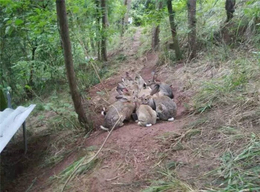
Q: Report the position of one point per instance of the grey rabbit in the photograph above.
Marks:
(165, 107)
(119, 111)
(163, 88)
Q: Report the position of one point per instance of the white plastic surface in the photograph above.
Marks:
(10, 121)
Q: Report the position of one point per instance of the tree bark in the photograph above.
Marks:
(98, 28)
(103, 34)
(128, 6)
(30, 83)
(173, 30)
(63, 22)
(230, 9)
(156, 31)
(192, 28)
(124, 20)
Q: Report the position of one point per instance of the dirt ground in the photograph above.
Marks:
(130, 154)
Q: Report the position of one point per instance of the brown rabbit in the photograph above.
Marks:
(126, 84)
(165, 107)
(140, 81)
(146, 115)
(146, 90)
(119, 111)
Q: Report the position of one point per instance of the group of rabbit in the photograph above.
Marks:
(141, 101)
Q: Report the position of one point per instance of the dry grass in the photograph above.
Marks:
(219, 149)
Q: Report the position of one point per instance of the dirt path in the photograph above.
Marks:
(131, 150)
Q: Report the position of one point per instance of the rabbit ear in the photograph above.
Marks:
(161, 108)
(119, 88)
(152, 104)
(128, 76)
(120, 85)
(155, 89)
(119, 97)
(123, 97)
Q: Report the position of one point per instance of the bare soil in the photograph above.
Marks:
(130, 155)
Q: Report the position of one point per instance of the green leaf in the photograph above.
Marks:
(6, 19)
(7, 30)
(18, 21)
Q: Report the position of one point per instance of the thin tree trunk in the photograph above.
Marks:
(62, 18)
(30, 82)
(128, 6)
(92, 45)
(98, 28)
(173, 30)
(192, 28)
(155, 38)
(123, 24)
(103, 34)
(156, 31)
(230, 9)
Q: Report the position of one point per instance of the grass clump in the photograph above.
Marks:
(81, 170)
(231, 84)
(168, 181)
(240, 169)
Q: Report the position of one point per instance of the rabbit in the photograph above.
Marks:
(163, 88)
(121, 89)
(140, 81)
(165, 107)
(119, 111)
(146, 115)
(145, 90)
(128, 76)
(157, 86)
(126, 85)
(136, 85)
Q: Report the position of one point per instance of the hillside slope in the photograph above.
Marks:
(213, 144)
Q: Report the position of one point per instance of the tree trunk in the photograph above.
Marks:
(230, 8)
(98, 28)
(92, 45)
(192, 28)
(63, 22)
(29, 86)
(103, 34)
(173, 30)
(156, 31)
(123, 24)
(155, 38)
(124, 20)
(128, 7)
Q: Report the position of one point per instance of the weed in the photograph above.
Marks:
(196, 123)
(229, 86)
(168, 181)
(82, 170)
(240, 170)
(121, 57)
